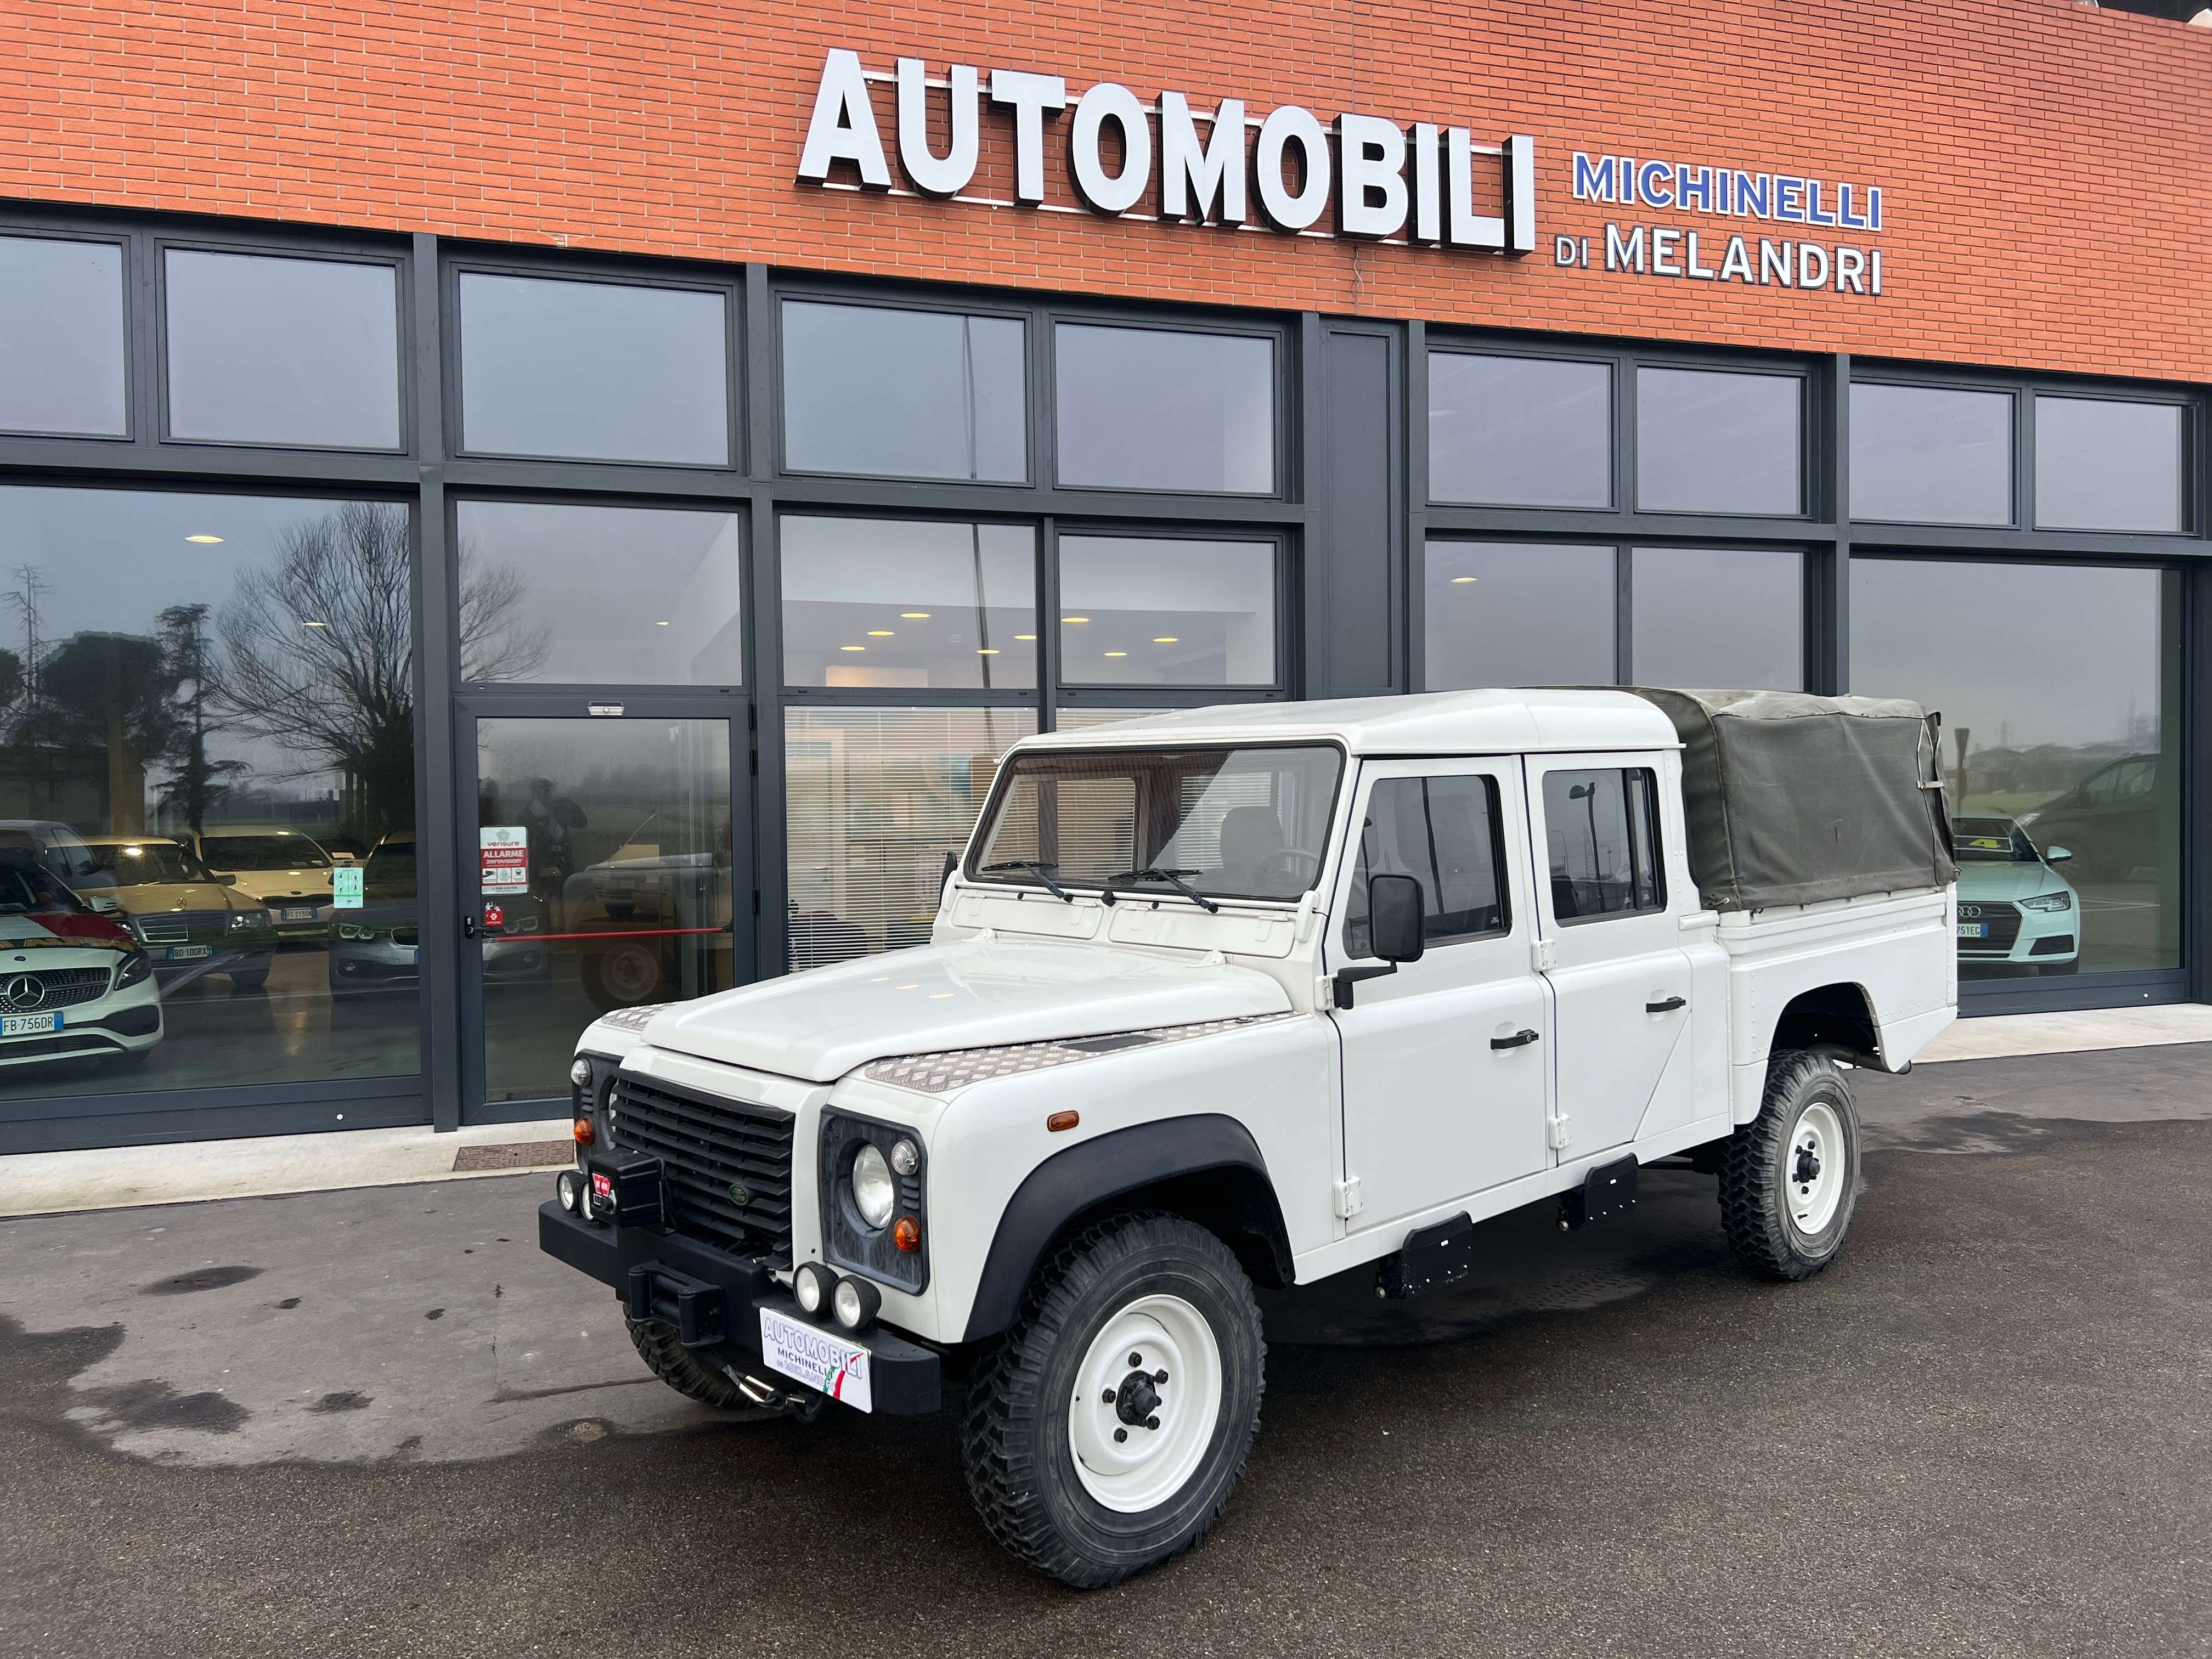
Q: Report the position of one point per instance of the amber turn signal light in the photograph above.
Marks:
(908, 1234)
(1060, 1120)
(583, 1131)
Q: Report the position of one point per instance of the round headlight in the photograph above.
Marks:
(906, 1157)
(875, 1194)
(571, 1188)
(855, 1303)
(579, 1072)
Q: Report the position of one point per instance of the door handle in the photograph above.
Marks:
(1520, 1039)
(468, 926)
(1665, 1005)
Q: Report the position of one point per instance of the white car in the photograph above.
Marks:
(1257, 995)
(2016, 913)
(73, 985)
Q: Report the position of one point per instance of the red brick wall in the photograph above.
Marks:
(2047, 191)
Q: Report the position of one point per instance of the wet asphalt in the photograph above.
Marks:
(380, 1424)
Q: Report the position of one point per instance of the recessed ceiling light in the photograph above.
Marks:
(1117, 653)
(987, 651)
(1075, 619)
(914, 616)
(1457, 580)
(316, 624)
(1167, 639)
(660, 624)
(851, 647)
(206, 541)
(879, 633)
(1024, 636)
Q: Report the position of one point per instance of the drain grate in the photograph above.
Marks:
(515, 1155)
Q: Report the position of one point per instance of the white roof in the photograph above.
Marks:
(1492, 722)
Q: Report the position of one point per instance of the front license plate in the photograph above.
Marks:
(28, 1024)
(297, 914)
(190, 952)
(1973, 930)
(823, 1359)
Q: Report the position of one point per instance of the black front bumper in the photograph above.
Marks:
(714, 1300)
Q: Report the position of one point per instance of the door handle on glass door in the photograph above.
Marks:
(1520, 1039)
(1665, 1005)
(468, 926)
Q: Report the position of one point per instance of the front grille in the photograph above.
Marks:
(179, 926)
(707, 1146)
(52, 988)
(2002, 921)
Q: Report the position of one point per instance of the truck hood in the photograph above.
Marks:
(972, 993)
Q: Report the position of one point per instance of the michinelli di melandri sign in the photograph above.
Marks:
(1287, 171)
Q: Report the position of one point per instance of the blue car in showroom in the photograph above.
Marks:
(2016, 913)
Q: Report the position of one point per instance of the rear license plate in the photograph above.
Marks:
(190, 952)
(821, 1359)
(1973, 930)
(28, 1024)
(291, 913)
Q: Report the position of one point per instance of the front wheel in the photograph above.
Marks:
(1105, 1431)
(1790, 1177)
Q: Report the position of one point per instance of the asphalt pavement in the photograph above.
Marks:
(379, 1423)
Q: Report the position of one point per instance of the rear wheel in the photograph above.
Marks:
(659, 1345)
(623, 975)
(1790, 1177)
(1106, 1430)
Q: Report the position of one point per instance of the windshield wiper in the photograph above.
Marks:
(1042, 872)
(1174, 879)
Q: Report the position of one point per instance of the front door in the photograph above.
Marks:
(1446, 1062)
(604, 867)
(1618, 973)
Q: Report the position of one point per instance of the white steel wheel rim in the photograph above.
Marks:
(1813, 1168)
(1149, 1466)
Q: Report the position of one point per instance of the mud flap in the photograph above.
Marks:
(1441, 1255)
(1608, 1190)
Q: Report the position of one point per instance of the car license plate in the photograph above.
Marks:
(190, 952)
(824, 1360)
(28, 1024)
(1973, 930)
(297, 913)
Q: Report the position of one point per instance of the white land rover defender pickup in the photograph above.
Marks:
(1255, 996)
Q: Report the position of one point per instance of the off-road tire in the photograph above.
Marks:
(1015, 1435)
(242, 983)
(1754, 1184)
(675, 1365)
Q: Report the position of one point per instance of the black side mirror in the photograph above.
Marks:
(1393, 910)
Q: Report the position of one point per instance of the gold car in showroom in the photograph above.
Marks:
(191, 924)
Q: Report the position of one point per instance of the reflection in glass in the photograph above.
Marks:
(1601, 842)
(605, 881)
(888, 602)
(1520, 431)
(1441, 831)
(903, 394)
(1157, 610)
(266, 350)
(1518, 613)
(206, 715)
(593, 371)
(1084, 719)
(61, 337)
(878, 799)
(1931, 455)
(2106, 466)
(1154, 408)
(1722, 618)
(1713, 441)
(2060, 690)
(613, 595)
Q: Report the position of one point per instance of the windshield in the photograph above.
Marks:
(26, 889)
(137, 861)
(1992, 840)
(1223, 823)
(263, 853)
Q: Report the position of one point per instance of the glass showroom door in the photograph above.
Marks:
(605, 867)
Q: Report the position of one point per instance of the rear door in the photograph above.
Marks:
(1620, 976)
(1434, 1108)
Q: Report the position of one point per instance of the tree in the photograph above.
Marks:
(195, 785)
(104, 707)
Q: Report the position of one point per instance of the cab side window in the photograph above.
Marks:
(1443, 833)
(1602, 831)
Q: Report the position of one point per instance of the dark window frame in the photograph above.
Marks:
(2019, 461)
(1648, 837)
(1492, 803)
(1811, 440)
(1280, 573)
(123, 242)
(2190, 447)
(1619, 369)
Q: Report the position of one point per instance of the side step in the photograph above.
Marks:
(1608, 1190)
(1430, 1256)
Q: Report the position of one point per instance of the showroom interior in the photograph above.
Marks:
(419, 646)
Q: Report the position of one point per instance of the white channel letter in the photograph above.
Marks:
(1031, 97)
(1103, 192)
(1287, 124)
(1465, 227)
(1371, 160)
(934, 175)
(1197, 181)
(1520, 193)
(843, 125)
(1428, 188)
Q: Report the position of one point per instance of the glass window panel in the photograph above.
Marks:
(1931, 455)
(2109, 465)
(1711, 441)
(1152, 409)
(903, 394)
(267, 351)
(61, 337)
(878, 798)
(2060, 689)
(1730, 618)
(615, 595)
(1518, 613)
(593, 371)
(1601, 834)
(1084, 720)
(208, 710)
(1443, 833)
(1158, 610)
(885, 602)
(1520, 431)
